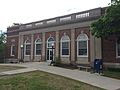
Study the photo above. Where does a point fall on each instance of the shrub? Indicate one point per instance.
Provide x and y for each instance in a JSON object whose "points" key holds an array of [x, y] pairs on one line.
{"points": [[114, 69], [57, 61]]}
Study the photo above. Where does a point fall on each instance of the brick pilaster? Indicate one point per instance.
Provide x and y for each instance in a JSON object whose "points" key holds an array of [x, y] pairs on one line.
{"points": [[19, 46], [32, 47], [57, 44], [72, 46], [43, 46]]}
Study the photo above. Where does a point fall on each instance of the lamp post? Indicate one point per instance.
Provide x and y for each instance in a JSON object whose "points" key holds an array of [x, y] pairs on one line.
{"points": [[21, 53]]}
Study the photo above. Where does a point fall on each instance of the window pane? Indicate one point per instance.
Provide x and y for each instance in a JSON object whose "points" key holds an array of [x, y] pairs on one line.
{"points": [[65, 51], [38, 52], [82, 48], [65, 45], [82, 44], [65, 48], [28, 49], [13, 50], [49, 44], [38, 49], [82, 52]]}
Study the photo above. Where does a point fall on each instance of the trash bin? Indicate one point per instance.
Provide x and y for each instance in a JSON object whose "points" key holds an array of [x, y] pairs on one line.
{"points": [[98, 65]]}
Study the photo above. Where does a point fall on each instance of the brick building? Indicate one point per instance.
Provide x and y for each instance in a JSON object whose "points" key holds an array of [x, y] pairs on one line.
{"points": [[70, 36]]}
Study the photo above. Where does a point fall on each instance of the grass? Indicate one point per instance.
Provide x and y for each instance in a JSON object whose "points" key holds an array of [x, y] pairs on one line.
{"points": [[112, 72], [38, 80], [7, 68]]}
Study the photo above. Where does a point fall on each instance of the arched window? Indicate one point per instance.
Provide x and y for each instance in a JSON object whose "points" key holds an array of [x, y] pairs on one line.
{"points": [[82, 45], [50, 41], [38, 46], [65, 41], [27, 47], [118, 47]]}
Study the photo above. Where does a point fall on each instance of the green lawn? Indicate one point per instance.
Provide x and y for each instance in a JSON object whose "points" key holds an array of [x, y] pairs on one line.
{"points": [[113, 73], [7, 68], [41, 81]]}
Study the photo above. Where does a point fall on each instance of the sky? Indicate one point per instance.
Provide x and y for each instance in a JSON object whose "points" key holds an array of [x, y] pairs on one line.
{"points": [[25, 11]]}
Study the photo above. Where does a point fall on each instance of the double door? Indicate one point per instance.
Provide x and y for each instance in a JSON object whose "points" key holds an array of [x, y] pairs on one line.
{"points": [[50, 54]]}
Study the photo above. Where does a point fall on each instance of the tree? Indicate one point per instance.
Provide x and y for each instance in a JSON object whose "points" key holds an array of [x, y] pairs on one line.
{"points": [[109, 23], [2, 41]]}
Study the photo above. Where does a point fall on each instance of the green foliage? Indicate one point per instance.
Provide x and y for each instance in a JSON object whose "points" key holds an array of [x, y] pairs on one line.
{"points": [[2, 42], [57, 61], [109, 23], [112, 72]]}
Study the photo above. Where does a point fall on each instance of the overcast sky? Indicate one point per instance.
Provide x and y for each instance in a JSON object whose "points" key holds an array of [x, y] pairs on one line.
{"points": [[25, 11]]}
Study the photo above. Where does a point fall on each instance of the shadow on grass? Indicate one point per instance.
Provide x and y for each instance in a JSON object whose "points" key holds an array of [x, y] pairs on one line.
{"points": [[8, 68]]}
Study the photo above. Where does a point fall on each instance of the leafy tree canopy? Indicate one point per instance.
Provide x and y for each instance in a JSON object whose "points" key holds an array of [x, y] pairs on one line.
{"points": [[2, 41], [109, 23]]}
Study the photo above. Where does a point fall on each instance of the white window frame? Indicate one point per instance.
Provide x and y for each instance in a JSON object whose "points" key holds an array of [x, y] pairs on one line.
{"points": [[25, 48], [11, 53], [36, 44], [50, 41], [117, 50], [62, 40], [78, 40]]}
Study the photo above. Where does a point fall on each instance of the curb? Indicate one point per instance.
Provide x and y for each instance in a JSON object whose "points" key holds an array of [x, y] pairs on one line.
{"points": [[3, 74]]}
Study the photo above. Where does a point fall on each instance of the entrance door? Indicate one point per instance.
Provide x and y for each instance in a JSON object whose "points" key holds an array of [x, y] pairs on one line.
{"points": [[50, 51], [49, 54]]}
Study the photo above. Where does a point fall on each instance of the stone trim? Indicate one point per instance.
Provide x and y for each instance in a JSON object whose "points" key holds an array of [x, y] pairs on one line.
{"points": [[58, 28], [12, 36]]}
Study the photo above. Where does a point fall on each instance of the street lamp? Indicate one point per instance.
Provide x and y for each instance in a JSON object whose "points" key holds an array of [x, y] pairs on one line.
{"points": [[21, 53]]}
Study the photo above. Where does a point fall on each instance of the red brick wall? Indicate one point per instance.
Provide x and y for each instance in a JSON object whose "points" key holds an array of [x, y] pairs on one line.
{"points": [[82, 29], [26, 37], [48, 34], [10, 41], [37, 35], [68, 32], [109, 50]]}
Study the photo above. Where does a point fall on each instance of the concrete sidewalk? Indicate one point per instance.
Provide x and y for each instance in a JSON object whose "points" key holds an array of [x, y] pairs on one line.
{"points": [[86, 77]]}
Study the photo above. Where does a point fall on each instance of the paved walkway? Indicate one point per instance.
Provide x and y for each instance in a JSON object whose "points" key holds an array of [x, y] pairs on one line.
{"points": [[86, 77]]}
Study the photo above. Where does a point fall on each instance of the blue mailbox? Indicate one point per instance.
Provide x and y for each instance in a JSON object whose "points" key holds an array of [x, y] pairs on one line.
{"points": [[98, 65]]}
